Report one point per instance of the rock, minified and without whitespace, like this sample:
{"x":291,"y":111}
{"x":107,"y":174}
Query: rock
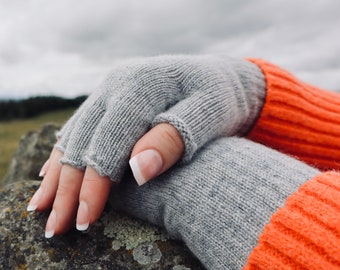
{"x":33,"y":150}
{"x":114,"y":242}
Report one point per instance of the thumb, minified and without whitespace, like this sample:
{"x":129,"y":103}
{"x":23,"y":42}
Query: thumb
{"x":155,"y":152}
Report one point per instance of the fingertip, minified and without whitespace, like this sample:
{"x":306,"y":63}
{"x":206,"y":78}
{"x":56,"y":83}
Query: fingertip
{"x":49,"y":234}
{"x":83,"y":221}
{"x":146,"y":165}
{"x":44,"y":169}
{"x":35,"y":200}
{"x":51,"y":224}
{"x":158,"y":150}
{"x":135,"y":168}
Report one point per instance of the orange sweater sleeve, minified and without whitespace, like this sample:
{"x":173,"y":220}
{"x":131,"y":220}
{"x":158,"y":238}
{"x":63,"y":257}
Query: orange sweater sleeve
{"x":303,"y":121}
{"x":299,"y":119}
{"x":305,"y":233}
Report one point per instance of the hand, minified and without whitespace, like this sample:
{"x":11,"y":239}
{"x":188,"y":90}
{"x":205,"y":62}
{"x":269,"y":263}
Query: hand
{"x":71,"y":183}
{"x":201,"y":97}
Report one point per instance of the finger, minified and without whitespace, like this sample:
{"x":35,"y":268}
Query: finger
{"x":44,"y":196}
{"x":94,"y":192}
{"x":65,"y":203}
{"x":155,"y":152}
{"x":65,"y":134}
{"x":79,"y":131}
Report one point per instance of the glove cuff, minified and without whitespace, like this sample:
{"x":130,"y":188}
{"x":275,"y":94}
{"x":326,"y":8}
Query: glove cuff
{"x":305,"y":233}
{"x":229,"y":106}
{"x":299,"y":119}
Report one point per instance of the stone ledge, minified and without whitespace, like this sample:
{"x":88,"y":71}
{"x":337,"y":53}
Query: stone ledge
{"x":114,"y":242}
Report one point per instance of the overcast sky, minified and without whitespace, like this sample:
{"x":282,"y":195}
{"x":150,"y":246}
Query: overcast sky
{"x":66,"y":47}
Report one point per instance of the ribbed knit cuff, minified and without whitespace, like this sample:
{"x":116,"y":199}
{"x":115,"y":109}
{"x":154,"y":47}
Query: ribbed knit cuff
{"x":305,"y":233}
{"x":299,"y":119}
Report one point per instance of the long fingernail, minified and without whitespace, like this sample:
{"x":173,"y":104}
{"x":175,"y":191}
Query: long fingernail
{"x":33,"y":204}
{"x":83,"y":217}
{"x":146,"y":165}
{"x":50,"y":225}
{"x":43,"y":170}
{"x":42,"y":173}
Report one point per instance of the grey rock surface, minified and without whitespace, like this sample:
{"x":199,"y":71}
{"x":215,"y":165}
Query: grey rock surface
{"x":33,"y":150}
{"x":114,"y":242}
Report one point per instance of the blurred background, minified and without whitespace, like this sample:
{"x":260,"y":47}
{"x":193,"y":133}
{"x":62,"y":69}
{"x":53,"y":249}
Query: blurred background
{"x":66,"y":47}
{"x":54,"y":53}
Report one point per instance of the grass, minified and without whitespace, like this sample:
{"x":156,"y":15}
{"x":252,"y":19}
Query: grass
{"x":11,"y":132}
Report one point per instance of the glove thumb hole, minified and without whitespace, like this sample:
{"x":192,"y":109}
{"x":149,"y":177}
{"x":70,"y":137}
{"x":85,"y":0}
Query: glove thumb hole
{"x":158,"y":150}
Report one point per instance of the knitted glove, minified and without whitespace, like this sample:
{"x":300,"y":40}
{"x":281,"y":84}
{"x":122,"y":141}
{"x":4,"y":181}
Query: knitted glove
{"x":220,"y":203}
{"x":202,"y":96}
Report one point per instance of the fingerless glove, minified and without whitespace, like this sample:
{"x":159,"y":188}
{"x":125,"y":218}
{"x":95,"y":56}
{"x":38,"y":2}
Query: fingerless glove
{"x":202,"y":96}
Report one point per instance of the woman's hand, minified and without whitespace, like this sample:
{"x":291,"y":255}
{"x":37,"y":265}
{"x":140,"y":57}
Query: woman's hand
{"x":187,"y":100}
{"x":74,"y":192}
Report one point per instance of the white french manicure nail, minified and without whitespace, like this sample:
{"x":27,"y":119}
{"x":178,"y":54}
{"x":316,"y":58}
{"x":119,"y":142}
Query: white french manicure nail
{"x":49,"y":234}
{"x":146,"y":165}
{"x":83,"y":217}
{"x":33,"y":204}
{"x":42,"y":173}
{"x":51,"y":223}
{"x":44,"y":168}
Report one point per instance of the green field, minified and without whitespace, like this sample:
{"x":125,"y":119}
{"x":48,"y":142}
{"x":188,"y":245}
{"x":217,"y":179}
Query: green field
{"x":11,"y":132}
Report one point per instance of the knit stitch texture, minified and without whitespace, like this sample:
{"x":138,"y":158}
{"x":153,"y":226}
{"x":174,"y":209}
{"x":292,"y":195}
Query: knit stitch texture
{"x":220,"y":202}
{"x":305,"y":234}
{"x":299,"y":119}
{"x":202,"y":96}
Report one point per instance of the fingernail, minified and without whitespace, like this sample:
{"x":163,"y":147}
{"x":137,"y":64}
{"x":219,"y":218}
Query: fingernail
{"x":50,"y":225}
{"x":146,"y":165}
{"x":43,"y":170}
{"x":42,"y":173}
{"x":82,"y":217}
{"x":33,"y":204}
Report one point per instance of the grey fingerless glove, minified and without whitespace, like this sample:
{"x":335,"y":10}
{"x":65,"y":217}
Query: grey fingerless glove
{"x":202,"y":96}
{"x":220,"y":202}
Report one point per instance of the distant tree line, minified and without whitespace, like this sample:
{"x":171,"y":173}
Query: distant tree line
{"x":25,"y":108}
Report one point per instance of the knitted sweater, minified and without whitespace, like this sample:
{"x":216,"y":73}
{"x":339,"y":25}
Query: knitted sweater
{"x":303,"y":121}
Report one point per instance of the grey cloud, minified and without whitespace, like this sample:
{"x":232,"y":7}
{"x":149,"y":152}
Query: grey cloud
{"x":167,"y":28}
{"x":72,"y":43}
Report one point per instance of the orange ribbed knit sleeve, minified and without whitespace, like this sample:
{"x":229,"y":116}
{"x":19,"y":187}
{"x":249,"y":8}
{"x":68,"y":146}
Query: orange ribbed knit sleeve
{"x":305,"y":233}
{"x":299,"y":119}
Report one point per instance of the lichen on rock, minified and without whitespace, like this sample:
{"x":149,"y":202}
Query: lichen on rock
{"x":132,"y":232}
{"x":23,"y":245}
{"x":147,"y":253}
